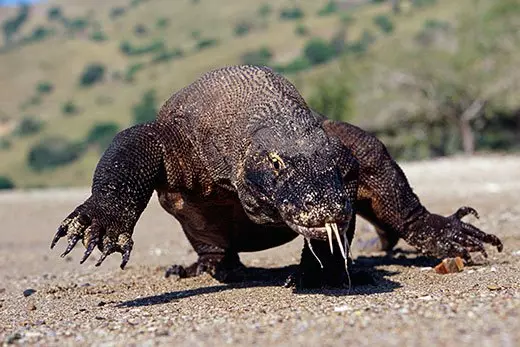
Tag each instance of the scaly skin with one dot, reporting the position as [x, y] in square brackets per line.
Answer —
[244, 165]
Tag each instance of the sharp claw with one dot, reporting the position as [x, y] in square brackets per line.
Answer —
[72, 242]
[105, 254]
[126, 257]
[91, 245]
[464, 211]
[62, 231]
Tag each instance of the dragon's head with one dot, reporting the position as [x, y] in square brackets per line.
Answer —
[305, 179]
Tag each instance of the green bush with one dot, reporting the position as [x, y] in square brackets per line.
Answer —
[117, 12]
[330, 7]
[140, 30]
[168, 55]
[93, 73]
[264, 10]
[318, 51]
[384, 23]
[260, 56]
[243, 28]
[76, 24]
[6, 183]
[291, 13]
[132, 70]
[146, 109]
[11, 26]
[28, 125]
[52, 152]
[297, 65]
[162, 23]
[38, 34]
[206, 43]
[54, 13]
[98, 36]
[102, 134]
[153, 47]
[44, 87]
[422, 3]
[5, 143]
[333, 98]
[69, 108]
[301, 30]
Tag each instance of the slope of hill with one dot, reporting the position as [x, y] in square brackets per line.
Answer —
[140, 51]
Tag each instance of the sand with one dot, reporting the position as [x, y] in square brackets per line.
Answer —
[72, 304]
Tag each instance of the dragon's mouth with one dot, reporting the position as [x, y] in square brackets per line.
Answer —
[325, 233]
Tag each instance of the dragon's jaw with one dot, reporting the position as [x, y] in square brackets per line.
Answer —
[325, 233]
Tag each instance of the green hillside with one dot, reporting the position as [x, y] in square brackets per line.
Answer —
[75, 72]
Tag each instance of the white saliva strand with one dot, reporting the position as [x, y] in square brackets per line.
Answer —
[328, 227]
[347, 248]
[313, 253]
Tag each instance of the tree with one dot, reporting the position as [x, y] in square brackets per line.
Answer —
[11, 26]
[318, 51]
[93, 73]
[146, 110]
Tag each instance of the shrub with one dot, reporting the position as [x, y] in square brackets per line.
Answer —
[130, 50]
[39, 33]
[297, 65]
[93, 73]
[260, 56]
[330, 7]
[384, 23]
[98, 36]
[301, 30]
[146, 109]
[6, 183]
[117, 12]
[242, 28]
[132, 70]
[69, 108]
[54, 13]
[44, 87]
[291, 13]
[168, 55]
[5, 143]
[264, 10]
[333, 98]
[318, 51]
[77, 24]
[140, 29]
[422, 3]
[11, 26]
[52, 152]
[102, 134]
[162, 23]
[29, 125]
[206, 43]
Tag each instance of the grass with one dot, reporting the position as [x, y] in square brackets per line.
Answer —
[61, 60]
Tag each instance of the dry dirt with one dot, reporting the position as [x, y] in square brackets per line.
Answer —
[74, 304]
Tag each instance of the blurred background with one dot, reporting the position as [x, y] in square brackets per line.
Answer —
[429, 77]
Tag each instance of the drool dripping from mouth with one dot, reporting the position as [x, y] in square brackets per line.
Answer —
[332, 228]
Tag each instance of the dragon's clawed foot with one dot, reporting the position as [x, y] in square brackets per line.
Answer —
[449, 236]
[95, 227]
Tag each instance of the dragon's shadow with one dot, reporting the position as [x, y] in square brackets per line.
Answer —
[367, 279]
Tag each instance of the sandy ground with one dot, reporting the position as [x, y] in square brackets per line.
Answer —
[409, 305]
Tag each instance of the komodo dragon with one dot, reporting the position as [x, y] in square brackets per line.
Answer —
[241, 161]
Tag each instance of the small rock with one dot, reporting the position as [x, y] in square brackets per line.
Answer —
[31, 307]
[11, 339]
[450, 265]
[426, 268]
[100, 318]
[516, 253]
[29, 292]
[426, 298]
[341, 308]
[494, 287]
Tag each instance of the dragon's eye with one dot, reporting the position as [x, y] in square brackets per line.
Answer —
[277, 162]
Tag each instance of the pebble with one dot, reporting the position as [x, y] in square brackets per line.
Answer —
[516, 253]
[29, 292]
[31, 307]
[341, 308]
